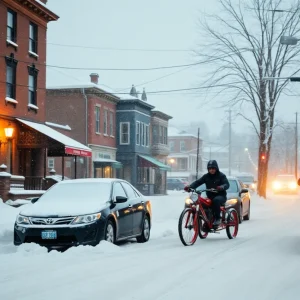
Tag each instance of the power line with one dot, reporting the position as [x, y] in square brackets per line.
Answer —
[130, 69]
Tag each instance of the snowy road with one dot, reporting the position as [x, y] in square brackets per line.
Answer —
[262, 263]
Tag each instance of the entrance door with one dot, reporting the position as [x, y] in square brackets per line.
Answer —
[28, 162]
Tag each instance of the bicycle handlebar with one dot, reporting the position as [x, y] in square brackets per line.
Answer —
[206, 190]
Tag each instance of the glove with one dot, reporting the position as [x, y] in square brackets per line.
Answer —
[220, 188]
[187, 188]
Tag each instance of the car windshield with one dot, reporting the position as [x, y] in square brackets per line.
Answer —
[285, 178]
[233, 187]
[74, 192]
[246, 178]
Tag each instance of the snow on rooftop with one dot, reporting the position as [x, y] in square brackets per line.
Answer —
[174, 132]
[67, 141]
[66, 127]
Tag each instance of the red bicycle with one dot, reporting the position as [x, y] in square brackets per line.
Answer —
[197, 219]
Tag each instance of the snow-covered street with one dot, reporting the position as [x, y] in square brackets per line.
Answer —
[262, 263]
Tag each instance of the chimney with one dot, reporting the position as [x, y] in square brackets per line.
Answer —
[44, 1]
[94, 78]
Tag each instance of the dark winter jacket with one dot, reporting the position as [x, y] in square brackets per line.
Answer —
[213, 181]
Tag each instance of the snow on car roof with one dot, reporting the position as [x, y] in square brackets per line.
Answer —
[91, 180]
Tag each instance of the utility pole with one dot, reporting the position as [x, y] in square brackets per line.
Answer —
[296, 147]
[198, 150]
[229, 167]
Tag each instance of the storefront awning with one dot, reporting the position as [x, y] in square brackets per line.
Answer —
[103, 161]
[71, 147]
[156, 162]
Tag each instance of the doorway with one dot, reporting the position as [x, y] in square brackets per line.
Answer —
[28, 159]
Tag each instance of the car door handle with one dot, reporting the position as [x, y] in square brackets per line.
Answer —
[129, 206]
[142, 202]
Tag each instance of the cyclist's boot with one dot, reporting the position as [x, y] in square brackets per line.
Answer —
[217, 222]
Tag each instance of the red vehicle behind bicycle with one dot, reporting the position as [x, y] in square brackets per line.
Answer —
[198, 219]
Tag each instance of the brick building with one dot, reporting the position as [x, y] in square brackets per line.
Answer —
[25, 139]
[88, 114]
[183, 155]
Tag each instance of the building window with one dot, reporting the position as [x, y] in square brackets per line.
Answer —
[172, 146]
[32, 85]
[161, 137]
[155, 136]
[142, 135]
[97, 118]
[124, 133]
[147, 136]
[51, 163]
[146, 175]
[11, 71]
[11, 26]
[111, 123]
[165, 136]
[105, 122]
[182, 164]
[33, 34]
[182, 146]
[138, 133]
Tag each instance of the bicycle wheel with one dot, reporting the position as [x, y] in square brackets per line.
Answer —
[202, 233]
[188, 227]
[232, 226]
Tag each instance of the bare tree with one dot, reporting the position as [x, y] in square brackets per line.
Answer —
[243, 43]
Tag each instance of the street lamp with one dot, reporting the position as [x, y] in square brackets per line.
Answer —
[8, 134]
[289, 40]
[171, 161]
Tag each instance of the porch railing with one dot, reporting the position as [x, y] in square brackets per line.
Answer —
[34, 183]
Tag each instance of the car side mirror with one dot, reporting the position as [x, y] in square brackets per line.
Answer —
[121, 199]
[34, 200]
[243, 191]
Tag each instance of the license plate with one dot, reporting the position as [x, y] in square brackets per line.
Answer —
[49, 235]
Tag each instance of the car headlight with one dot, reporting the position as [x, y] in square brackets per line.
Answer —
[276, 185]
[22, 220]
[231, 202]
[86, 219]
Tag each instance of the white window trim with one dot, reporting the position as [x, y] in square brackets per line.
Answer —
[147, 135]
[11, 100]
[98, 106]
[142, 135]
[33, 54]
[180, 146]
[111, 113]
[105, 118]
[32, 106]
[121, 123]
[53, 164]
[12, 43]
[138, 131]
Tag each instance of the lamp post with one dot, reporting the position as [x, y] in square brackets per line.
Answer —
[171, 161]
[8, 134]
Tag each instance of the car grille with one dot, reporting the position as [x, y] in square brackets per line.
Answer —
[52, 221]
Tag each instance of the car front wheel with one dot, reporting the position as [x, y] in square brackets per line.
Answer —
[110, 232]
[145, 236]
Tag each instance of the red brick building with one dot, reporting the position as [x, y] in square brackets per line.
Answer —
[25, 139]
[183, 155]
[90, 112]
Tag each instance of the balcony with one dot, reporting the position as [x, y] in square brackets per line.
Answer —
[160, 149]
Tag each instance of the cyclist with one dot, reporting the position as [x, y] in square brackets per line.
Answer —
[214, 179]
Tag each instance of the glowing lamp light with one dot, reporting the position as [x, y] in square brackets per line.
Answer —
[9, 132]
[172, 160]
[263, 157]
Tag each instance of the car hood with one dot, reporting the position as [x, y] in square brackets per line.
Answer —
[232, 196]
[60, 209]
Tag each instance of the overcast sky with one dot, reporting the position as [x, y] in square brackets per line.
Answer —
[139, 24]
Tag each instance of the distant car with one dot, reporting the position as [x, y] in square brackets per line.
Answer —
[177, 184]
[237, 196]
[84, 212]
[285, 184]
[248, 181]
